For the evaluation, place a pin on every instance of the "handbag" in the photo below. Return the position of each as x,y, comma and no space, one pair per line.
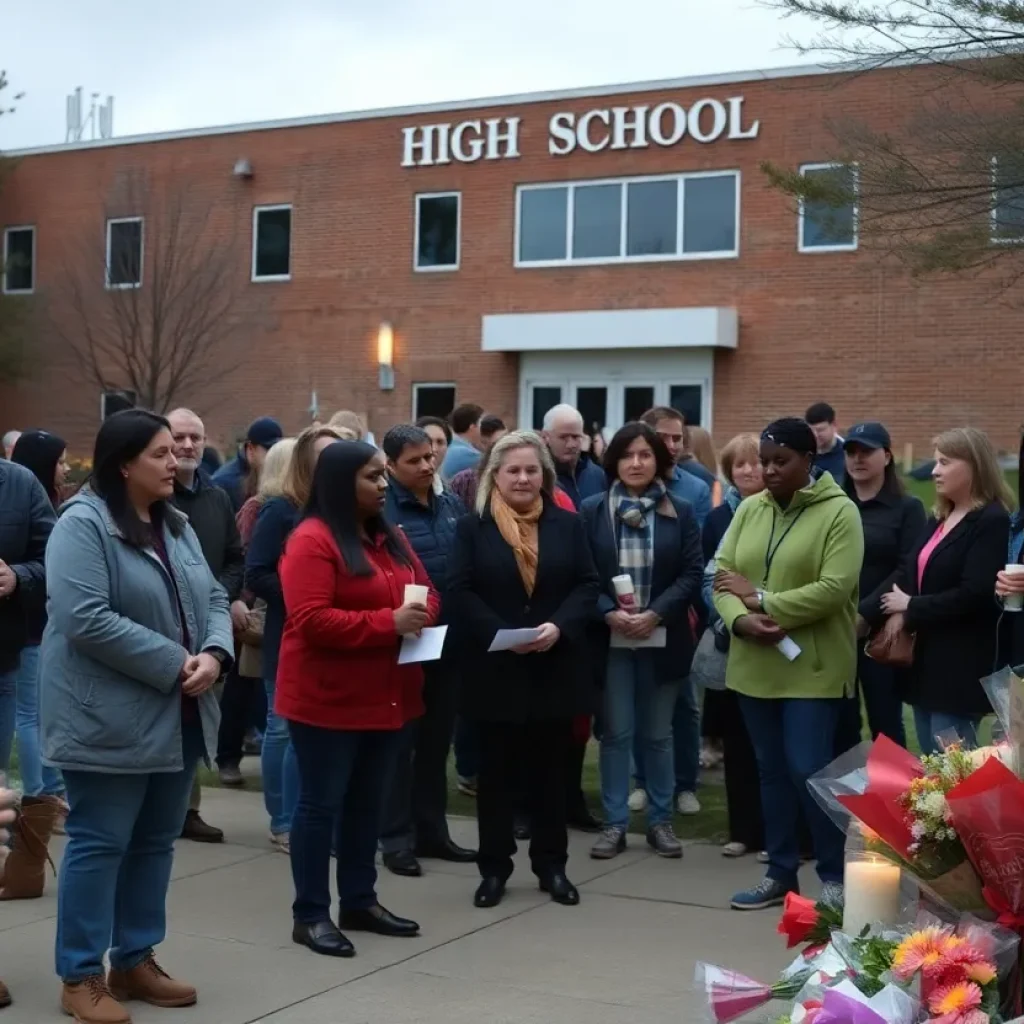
891,648
708,668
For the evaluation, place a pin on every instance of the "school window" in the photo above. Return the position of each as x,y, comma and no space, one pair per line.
19,265
675,217
437,231
1007,201
272,243
829,223
124,252
432,400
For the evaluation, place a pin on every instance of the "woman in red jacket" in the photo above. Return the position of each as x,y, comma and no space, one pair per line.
340,687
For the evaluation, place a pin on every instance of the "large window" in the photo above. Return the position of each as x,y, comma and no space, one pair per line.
829,223
432,400
437,231
125,247
19,262
272,243
1007,201
677,217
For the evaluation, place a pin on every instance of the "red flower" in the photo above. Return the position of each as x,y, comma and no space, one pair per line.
799,919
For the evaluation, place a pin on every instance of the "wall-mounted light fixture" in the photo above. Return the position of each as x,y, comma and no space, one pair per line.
385,357
243,168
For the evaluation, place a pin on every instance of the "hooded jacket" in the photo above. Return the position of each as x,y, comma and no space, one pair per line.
807,560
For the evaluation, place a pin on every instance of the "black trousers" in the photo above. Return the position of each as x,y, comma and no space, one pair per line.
240,705
742,783
417,796
522,760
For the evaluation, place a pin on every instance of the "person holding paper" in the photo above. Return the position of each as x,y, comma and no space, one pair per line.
415,824
788,570
342,690
521,562
646,545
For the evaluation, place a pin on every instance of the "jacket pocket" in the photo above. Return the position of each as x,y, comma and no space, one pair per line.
105,714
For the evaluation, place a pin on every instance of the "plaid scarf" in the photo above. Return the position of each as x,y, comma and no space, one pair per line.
634,522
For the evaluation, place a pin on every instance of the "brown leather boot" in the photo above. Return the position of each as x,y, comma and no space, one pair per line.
89,1001
5,995
25,869
150,983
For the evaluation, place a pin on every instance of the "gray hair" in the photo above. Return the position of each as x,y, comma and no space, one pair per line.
496,456
561,411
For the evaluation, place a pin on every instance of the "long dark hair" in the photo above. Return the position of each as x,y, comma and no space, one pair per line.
123,437
891,482
623,438
40,451
332,499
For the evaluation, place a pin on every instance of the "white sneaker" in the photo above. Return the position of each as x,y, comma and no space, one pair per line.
687,803
734,850
637,801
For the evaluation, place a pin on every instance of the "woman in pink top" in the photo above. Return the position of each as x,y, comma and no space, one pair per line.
944,595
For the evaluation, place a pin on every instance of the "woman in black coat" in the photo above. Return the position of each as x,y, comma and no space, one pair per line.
522,563
639,530
945,597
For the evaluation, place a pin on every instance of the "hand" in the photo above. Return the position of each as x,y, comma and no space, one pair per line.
8,579
893,625
619,621
863,627
642,625
549,636
8,801
202,671
896,601
410,618
733,583
759,628
239,616
1009,584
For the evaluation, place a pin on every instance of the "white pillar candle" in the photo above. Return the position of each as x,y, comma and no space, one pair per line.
872,894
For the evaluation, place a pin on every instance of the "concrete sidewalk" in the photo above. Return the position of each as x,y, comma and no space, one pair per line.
630,946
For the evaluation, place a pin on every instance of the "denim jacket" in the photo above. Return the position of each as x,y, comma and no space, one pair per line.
732,499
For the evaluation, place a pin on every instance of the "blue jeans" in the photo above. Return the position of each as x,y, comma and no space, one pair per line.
930,726
8,714
279,768
344,777
793,739
636,705
36,778
117,864
685,742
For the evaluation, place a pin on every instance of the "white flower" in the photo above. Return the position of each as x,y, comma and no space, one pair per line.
934,805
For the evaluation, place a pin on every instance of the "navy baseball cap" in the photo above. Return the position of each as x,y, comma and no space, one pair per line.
265,432
868,435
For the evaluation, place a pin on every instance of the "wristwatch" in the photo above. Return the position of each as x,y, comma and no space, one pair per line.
759,594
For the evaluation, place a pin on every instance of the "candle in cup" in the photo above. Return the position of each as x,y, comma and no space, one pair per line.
872,894
625,592
416,593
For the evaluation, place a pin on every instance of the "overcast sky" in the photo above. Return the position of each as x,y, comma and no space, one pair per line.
206,62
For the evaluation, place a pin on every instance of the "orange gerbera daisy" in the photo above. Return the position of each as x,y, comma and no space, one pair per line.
963,961
954,1002
921,951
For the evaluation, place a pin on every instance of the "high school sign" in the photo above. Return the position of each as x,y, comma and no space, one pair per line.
497,138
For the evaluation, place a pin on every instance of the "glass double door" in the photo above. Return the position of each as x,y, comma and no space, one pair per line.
606,405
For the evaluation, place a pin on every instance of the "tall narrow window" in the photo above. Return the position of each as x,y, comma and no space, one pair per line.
19,265
437,231
1007,200
272,243
124,252
829,224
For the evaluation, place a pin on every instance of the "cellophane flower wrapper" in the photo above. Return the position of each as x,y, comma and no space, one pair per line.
845,1004
823,962
1005,691
730,995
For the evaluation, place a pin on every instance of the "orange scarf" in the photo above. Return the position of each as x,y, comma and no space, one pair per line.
519,530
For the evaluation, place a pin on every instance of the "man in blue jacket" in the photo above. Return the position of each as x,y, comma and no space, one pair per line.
261,436
670,426
415,823
563,434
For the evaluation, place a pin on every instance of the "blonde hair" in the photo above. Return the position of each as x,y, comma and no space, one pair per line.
275,469
742,448
988,484
702,448
350,425
298,480
494,458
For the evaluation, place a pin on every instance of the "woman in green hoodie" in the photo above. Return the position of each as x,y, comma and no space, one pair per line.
786,588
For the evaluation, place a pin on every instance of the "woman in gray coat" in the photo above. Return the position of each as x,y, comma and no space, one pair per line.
138,633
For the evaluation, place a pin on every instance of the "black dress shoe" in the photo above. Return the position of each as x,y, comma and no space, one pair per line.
522,830
561,889
489,892
403,863
322,937
378,920
448,850
583,821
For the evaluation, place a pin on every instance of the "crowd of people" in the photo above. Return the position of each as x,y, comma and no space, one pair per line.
677,606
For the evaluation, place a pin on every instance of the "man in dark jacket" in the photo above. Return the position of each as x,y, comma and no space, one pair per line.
563,434
26,519
261,436
415,823
210,514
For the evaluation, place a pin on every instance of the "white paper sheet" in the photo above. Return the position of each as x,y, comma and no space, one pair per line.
425,647
506,639
789,648
657,639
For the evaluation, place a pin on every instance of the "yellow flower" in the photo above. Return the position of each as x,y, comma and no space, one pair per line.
921,951
955,1000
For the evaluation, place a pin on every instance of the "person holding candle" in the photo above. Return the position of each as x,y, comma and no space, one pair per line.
786,589
341,690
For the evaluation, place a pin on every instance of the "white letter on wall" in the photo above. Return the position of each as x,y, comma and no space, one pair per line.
476,143
561,134
736,120
717,124
510,136
425,147
583,131
621,125
678,127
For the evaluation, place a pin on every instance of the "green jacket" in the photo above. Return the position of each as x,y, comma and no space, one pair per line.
815,549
